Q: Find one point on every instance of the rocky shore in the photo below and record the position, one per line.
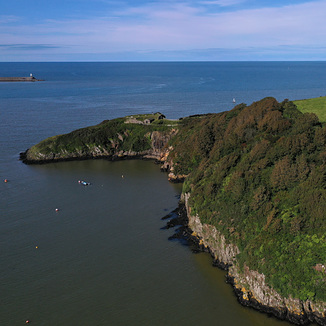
(121, 155)
(249, 286)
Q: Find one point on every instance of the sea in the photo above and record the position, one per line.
(99, 255)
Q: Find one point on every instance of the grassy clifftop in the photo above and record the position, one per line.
(314, 105)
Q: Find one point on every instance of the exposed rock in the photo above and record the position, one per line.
(223, 253)
(176, 178)
(250, 286)
(168, 165)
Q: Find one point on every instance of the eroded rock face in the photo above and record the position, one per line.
(160, 140)
(250, 286)
(211, 238)
(252, 290)
(168, 166)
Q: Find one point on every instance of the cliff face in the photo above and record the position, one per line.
(222, 252)
(250, 286)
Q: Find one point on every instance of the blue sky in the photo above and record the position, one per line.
(143, 30)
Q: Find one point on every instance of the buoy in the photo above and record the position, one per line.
(122, 176)
(6, 180)
(36, 247)
(27, 322)
(57, 209)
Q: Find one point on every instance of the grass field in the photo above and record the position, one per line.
(316, 105)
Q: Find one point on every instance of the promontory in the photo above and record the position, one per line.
(254, 189)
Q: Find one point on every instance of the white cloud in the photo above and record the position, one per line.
(223, 3)
(178, 27)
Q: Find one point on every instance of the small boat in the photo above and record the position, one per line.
(84, 183)
(233, 100)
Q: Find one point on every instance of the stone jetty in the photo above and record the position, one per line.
(31, 78)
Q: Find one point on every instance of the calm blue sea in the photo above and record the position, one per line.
(75, 95)
(103, 258)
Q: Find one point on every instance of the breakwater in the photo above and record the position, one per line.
(19, 79)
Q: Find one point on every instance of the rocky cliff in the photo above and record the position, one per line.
(249, 285)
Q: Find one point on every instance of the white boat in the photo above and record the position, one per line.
(84, 183)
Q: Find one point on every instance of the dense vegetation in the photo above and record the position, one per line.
(110, 135)
(258, 174)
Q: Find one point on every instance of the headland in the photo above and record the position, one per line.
(254, 193)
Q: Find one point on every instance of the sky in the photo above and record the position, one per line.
(179, 30)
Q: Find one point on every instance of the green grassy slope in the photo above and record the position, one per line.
(314, 105)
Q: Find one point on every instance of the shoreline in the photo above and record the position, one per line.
(179, 219)
(125, 156)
